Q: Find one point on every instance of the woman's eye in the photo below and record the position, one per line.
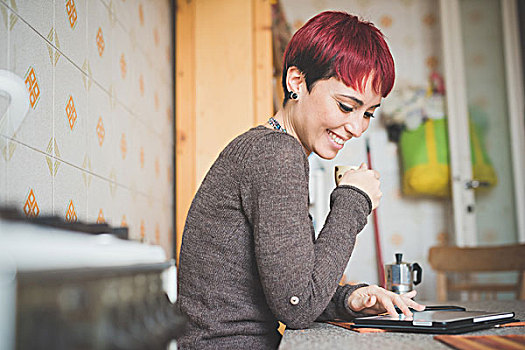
(369, 115)
(345, 108)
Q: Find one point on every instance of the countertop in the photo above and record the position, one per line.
(327, 336)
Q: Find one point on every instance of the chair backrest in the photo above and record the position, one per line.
(478, 259)
(447, 259)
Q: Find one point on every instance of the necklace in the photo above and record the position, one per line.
(275, 124)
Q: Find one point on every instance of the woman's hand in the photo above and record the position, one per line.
(366, 180)
(374, 300)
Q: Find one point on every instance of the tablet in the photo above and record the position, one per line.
(436, 321)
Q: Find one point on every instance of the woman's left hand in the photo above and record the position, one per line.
(375, 300)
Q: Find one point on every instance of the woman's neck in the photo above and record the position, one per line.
(285, 117)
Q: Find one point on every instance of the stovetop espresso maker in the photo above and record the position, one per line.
(400, 275)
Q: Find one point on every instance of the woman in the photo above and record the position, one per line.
(249, 257)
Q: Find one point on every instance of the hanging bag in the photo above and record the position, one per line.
(424, 158)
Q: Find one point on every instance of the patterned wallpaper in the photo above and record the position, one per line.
(97, 143)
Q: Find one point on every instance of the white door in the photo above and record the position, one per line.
(483, 77)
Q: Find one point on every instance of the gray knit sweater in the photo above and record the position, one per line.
(249, 257)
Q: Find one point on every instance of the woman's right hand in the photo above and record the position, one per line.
(366, 180)
(373, 300)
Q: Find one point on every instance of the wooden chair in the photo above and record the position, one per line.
(449, 259)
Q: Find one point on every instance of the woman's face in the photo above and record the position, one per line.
(331, 114)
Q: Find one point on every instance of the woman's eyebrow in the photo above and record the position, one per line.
(358, 101)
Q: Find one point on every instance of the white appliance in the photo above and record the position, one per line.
(62, 289)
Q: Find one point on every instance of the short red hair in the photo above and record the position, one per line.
(340, 45)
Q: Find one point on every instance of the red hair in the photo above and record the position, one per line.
(337, 44)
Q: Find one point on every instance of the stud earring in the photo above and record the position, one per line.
(293, 95)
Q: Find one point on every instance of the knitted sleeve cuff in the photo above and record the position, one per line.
(360, 191)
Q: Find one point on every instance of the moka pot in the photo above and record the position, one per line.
(400, 275)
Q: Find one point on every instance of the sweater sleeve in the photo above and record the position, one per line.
(299, 276)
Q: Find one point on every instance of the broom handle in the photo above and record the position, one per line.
(379, 254)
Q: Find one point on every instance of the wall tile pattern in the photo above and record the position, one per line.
(97, 143)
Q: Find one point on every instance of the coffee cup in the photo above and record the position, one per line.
(340, 170)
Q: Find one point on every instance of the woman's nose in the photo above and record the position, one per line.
(354, 126)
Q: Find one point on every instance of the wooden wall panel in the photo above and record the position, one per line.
(224, 76)
(262, 56)
(184, 114)
(224, 87)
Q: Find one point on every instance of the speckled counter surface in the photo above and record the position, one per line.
(326, 336)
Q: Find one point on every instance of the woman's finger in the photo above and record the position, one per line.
(371, 301)
(387, 303)
(359, 302)
(410, 294)
(411, 303)
(401, 304)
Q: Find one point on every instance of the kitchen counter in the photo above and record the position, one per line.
(327, 336)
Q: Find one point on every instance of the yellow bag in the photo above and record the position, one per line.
(424, 156)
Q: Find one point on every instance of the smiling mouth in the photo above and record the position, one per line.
(337, 139)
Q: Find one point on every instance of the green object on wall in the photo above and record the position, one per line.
(424, 156)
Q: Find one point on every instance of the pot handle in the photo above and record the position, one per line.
(419, 273)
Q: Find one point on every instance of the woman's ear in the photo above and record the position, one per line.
(294, 79)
